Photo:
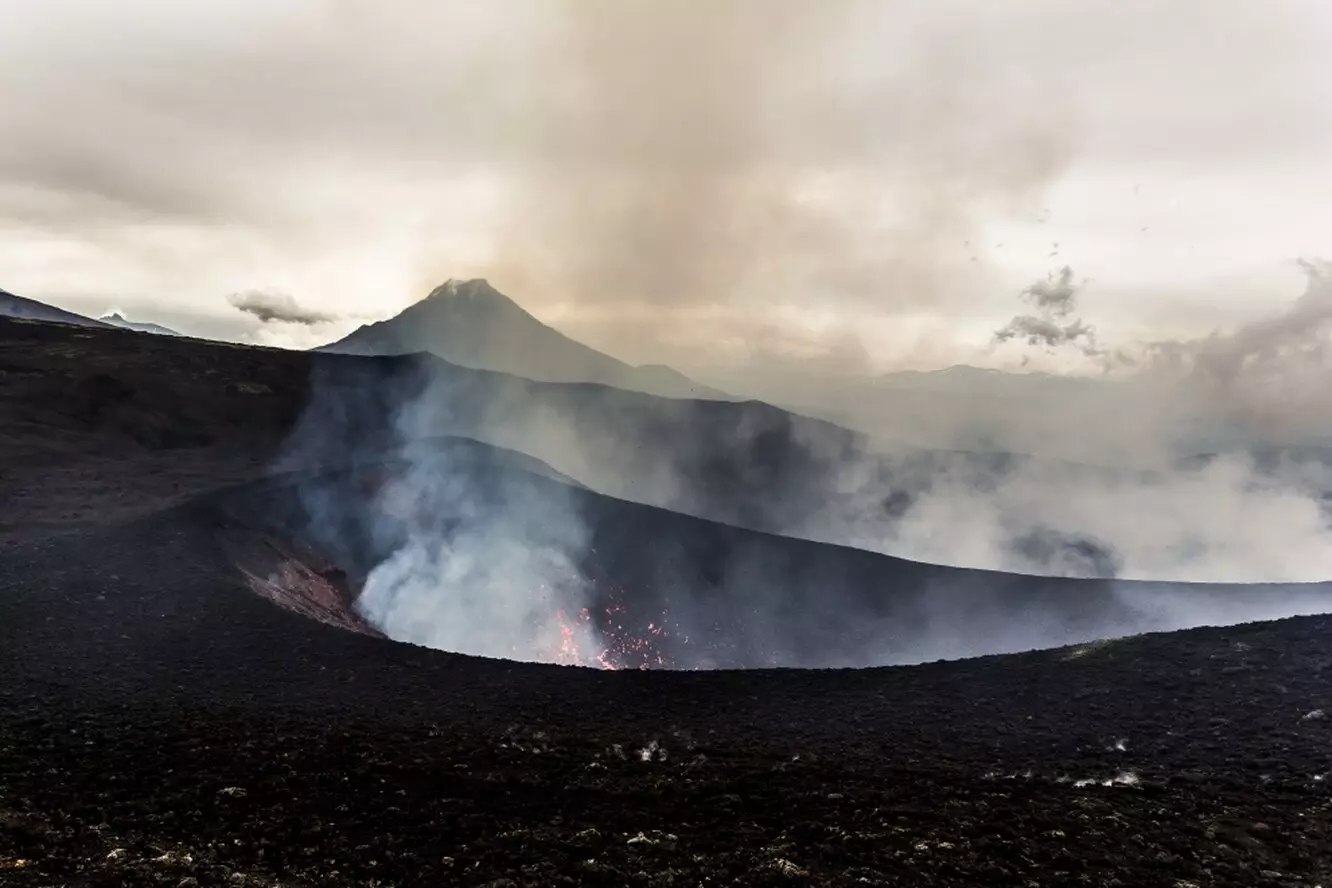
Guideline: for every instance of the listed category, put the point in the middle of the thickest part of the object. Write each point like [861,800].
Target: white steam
[1225,521]
[484,561]
[491,580]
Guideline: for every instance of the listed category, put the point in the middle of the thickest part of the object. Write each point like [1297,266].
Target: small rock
[1316,715]
[236,792]
[787,869]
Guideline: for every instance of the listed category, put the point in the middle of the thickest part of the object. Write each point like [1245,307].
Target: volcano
[472,324]
[639,587]
[194,687]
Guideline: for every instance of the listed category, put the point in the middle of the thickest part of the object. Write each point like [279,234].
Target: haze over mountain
[472,324]
[30,309]
[1136,420]
[116,319]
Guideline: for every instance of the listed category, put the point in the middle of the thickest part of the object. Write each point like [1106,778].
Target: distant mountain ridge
[30,309]
[472,324]
[116,319]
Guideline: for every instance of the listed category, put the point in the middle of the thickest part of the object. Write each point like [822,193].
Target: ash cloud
[470,556]
[769,170]
[643,164]
[272,307]
[1263,381]
[612,161]
[1055,299]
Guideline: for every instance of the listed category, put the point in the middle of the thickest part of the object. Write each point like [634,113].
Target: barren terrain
[163,721]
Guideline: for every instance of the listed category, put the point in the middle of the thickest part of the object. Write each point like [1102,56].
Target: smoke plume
[1054,298]
[740,169]
[662,173]
[463,547]
[1270,374]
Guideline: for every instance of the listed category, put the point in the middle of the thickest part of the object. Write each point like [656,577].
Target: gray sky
[850,184]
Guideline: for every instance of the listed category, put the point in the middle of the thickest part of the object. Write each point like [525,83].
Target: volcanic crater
[192,691]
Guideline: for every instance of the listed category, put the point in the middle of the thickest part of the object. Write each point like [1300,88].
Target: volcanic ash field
[225,663]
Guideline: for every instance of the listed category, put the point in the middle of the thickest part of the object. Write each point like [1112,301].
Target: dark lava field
[190,696]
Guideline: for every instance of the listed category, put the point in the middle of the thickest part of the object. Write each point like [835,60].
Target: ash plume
[492,576]
[1055,298]
[1056,295]
[1227,519]
[272,307]
[766,173]
[455,555]
[661,173]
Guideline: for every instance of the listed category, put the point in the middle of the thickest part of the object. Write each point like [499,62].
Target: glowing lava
[618,646]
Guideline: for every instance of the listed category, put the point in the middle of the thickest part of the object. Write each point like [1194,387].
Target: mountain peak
[474,289]
[474,299]
[470,323]
[114,317]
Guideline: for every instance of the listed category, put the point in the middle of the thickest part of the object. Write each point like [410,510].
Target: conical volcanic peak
[473,290]
[470,323]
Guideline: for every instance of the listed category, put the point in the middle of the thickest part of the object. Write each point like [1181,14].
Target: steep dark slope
[30,309]
[472,324]
[657,588]
[117,399]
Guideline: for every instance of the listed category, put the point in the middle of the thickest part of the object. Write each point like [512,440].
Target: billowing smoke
[718,184]
[1055,299]
[455,545]
[495,575]
[1223,519]
[728,179]
[465,547]
[273,307]
[1053,327]
[1270,374]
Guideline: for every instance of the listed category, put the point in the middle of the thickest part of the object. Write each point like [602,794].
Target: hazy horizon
[847,187]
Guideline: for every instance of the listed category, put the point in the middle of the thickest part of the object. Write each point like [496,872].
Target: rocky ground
[162,724]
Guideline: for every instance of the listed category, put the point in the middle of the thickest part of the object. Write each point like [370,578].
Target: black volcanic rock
[472,324]
[164,725]
[161,723]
